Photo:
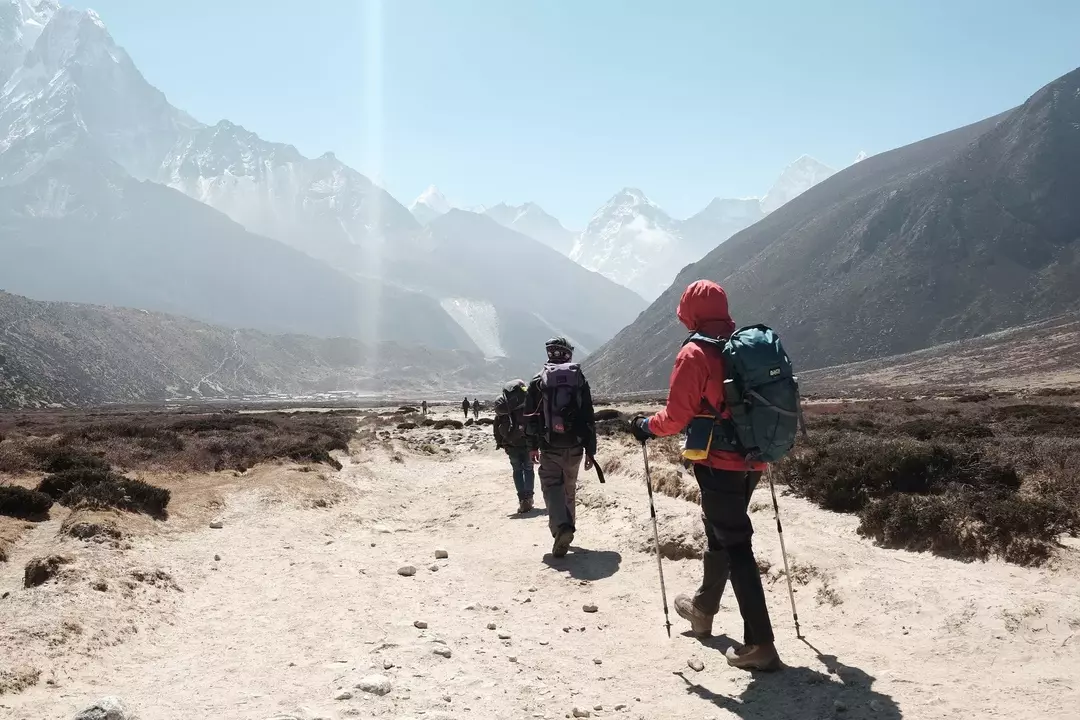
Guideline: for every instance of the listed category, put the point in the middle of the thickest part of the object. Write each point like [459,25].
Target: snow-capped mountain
[797,178]
[531,219]
[21,24]
[73,84]
[633,242]
[860,157]
[319,206]
[636,244]
[429,205]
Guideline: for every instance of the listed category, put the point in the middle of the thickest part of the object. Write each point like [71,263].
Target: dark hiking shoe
[700,623]
[525,505]
[562,543]
[754,657]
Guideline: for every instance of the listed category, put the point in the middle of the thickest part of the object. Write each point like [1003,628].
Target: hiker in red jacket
[726,480]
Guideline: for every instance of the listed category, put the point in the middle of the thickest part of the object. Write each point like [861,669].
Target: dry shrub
[23,503]
[55,442]
[607,414]
[91,488]
[989,477]
[449,425]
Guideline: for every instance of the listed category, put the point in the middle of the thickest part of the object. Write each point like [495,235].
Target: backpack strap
[725,424]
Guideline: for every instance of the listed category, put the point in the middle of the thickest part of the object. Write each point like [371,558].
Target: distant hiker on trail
[559,431]
[475,409]
[465,406]
[725,477]
[423,408]
[510,436]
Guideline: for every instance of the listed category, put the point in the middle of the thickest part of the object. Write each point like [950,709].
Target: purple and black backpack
[560,387]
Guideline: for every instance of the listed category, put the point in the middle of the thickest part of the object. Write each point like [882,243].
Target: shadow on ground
[535,512]
[800,692]
[584,564]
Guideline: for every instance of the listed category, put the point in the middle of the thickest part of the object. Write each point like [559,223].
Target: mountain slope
[429,205]
[632,241]
[83,230]
[319,206]
[70,354]
[797,178]
[955,236]
[526,289]
[531,219]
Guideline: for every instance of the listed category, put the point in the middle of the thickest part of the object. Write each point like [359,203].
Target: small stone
[589,608]
[491,626]
[434,568]
[441,554]
[372,544]
[217,525]
[387,665]
[442,652]
[840,706]
[504,636]
[581,713]
[100,585]
[406,571]
[620,706]
[695,664]
[343,695]
[447,698]
[217,558]
[512,658]
[598,708]
[543,642]
[532,589]
[566,629]
[598,661]
[107,708]
[374,684]
[420,625]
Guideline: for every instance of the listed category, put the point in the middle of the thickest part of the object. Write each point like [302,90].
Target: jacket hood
[704,309]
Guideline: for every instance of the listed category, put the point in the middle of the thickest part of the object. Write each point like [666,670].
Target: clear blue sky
[566,101]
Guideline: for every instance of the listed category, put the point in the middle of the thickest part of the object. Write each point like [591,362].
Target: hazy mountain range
[965,233]
[109,194]
[633,241]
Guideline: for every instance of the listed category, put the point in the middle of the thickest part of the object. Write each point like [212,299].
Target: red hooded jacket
[699,372]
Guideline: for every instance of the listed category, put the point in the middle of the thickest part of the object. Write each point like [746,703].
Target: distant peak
[808,161]
[433,199]
[860,157]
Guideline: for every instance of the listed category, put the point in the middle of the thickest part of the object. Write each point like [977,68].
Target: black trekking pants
[725,498]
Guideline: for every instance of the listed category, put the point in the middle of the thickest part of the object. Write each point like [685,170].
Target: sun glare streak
[372,248]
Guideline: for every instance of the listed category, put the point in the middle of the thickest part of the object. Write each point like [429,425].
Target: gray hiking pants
[558,479]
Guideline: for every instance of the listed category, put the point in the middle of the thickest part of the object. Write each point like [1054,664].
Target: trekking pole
[783,551]
[656,537]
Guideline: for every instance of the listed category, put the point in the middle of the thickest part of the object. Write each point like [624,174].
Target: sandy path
[305,602]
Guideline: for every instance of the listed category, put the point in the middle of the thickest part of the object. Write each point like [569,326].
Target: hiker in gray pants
[560,431]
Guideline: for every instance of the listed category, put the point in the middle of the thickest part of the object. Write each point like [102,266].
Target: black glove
[639,426]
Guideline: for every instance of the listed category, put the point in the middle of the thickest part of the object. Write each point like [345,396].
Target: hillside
[1040,357]
[517,290]
[70,354]
[82,230]
[956,236]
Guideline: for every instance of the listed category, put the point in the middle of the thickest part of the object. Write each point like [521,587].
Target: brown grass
[58,441]
[985,476]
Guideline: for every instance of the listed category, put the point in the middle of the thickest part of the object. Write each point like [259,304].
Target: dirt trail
[305,602]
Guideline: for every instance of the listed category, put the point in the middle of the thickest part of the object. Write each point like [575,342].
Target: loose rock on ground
[374,684]
[107,708]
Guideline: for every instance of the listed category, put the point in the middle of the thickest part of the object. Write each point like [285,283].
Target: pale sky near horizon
[564,103]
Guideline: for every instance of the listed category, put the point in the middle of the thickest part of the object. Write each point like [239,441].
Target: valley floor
[306,601]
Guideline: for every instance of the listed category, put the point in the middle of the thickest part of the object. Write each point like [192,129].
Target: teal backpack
[760,391]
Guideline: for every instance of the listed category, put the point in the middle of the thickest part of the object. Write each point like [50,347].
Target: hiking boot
[754,657]
[700,623]
[562,542]
[527,505]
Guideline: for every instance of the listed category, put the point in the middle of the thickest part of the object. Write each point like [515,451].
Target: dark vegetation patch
[448,425]
[56,442]
[94,489]
[23,503]
[40,570]
[985,477]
